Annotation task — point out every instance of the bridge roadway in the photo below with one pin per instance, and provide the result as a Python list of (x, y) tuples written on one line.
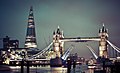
[(80, 39), (32, 62)]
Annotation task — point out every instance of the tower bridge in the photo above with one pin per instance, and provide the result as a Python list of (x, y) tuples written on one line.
[(58, 39), (102, 38), (58, 46), (58, 42)]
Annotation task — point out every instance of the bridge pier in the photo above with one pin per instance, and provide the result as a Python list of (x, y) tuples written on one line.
[(69, 65), (28, 67), (22, 66)]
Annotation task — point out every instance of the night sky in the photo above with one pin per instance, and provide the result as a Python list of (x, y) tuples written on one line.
[(75, 17)]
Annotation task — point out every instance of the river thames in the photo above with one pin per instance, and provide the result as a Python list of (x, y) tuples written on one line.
[(78, 69)]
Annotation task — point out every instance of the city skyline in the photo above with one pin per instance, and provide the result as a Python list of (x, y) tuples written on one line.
[(76, 18)]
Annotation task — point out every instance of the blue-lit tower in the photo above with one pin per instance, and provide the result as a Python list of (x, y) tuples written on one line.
[(30, 41)]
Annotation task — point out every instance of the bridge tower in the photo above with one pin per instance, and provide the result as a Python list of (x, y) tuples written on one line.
[(103, 45), (58, 45), (30, 41)]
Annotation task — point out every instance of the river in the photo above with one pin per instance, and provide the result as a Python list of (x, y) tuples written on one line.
[(78, 69)]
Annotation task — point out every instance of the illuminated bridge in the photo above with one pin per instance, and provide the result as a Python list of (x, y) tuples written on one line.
[(58, 46)]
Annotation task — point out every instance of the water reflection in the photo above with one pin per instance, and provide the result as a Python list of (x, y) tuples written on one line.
[(41, 70), (58, 70), (78, 69)]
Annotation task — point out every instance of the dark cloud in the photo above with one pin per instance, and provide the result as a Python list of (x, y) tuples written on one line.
[(75, 18)]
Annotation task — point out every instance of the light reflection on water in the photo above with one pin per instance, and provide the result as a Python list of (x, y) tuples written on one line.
[(59, 70), (37, 70), (44, 70)]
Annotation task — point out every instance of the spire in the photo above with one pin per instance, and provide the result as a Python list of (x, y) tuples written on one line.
[(103, 25), (30, 41), (31, 11), (58, 27), (103, 29), (62, 33), (31, 8), (53, 32), (58, 30)]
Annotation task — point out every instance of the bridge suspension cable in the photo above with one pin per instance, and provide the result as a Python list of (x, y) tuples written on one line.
[(43, 51), (113, 46), (67, 53), (116, 47), (93, 52)]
